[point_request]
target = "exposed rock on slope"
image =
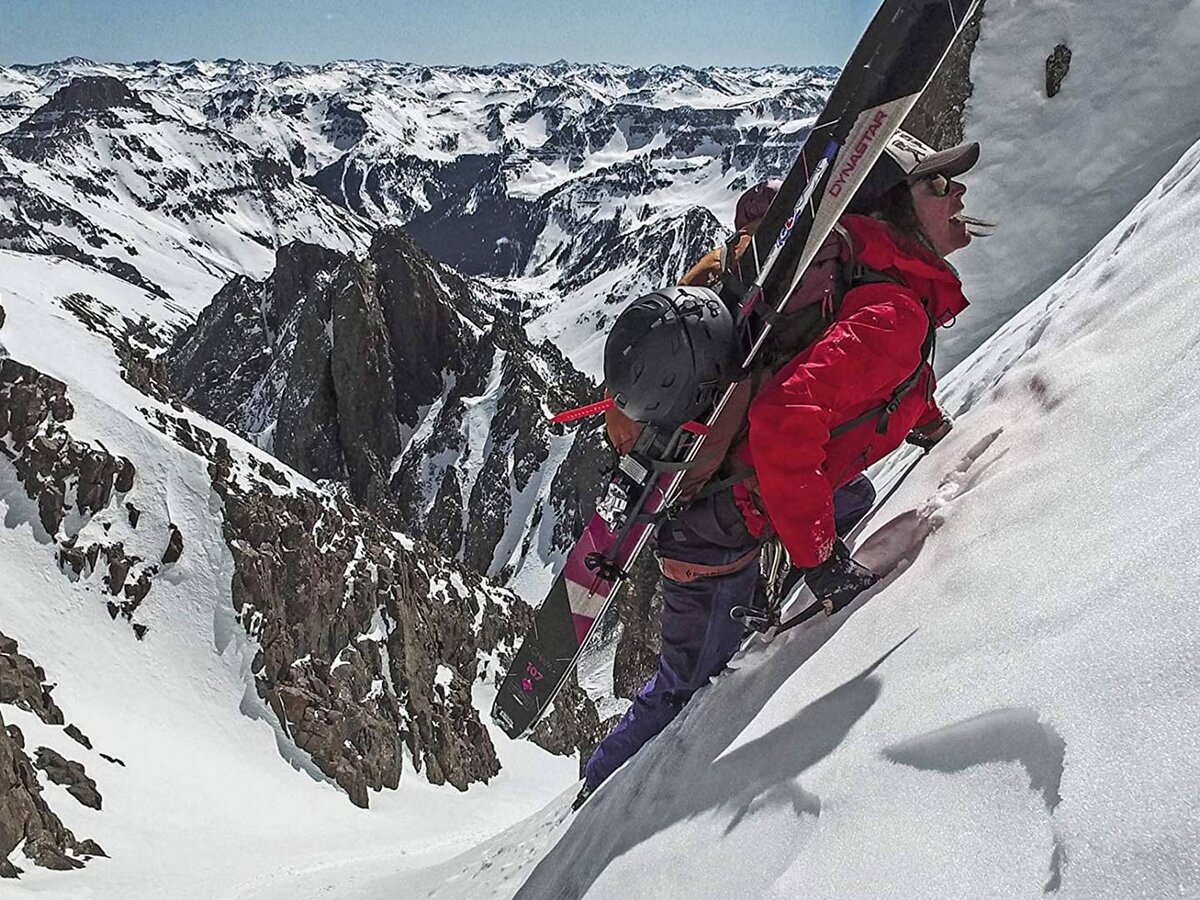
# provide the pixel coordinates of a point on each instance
(24, 813)
(937, 118)
(23, 684)
(369, 642)
(65, 477)
(70, 774)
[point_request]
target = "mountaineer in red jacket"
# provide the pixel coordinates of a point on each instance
(839, 405)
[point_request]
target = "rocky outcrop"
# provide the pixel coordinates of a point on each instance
(459, 483)
(639, 612)
(136, 342)
(572, 726)
(1058, 64)
(369, 643)
(92, 93)
(73, 732)
(62, 475)
(23, 684)
(937, 118)
(70, 775)
(24, 813)
(174, 550)
(420, 392)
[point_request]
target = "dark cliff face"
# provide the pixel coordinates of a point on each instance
(937, 118)
(94, 93)
(392, 375)
(425, 400)
(477, 227)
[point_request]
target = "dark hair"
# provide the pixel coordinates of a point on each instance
(895, 207)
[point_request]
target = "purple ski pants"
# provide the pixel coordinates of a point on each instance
(699, 637)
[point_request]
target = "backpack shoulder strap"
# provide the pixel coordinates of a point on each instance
(731, 279)
(883, 412)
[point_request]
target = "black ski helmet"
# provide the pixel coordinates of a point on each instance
(669, 353)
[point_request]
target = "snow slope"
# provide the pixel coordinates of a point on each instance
(1016, 710)
(204, 806)
(1058, 173)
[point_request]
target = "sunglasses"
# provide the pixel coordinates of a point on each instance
(939, 185)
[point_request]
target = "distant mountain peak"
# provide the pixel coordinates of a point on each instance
(92, 93)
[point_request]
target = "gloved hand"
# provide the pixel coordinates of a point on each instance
(927, 435)
(839, 579)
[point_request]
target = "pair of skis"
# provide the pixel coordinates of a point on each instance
(894, 61)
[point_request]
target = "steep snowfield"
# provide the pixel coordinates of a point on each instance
(205, 806)
(1058, 173)
(1017, 708)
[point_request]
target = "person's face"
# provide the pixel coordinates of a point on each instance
(938, 202)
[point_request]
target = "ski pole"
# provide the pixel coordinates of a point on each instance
(866, 520)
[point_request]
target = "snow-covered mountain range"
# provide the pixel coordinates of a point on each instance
(603, 181)
(276, 348)
(594, 182)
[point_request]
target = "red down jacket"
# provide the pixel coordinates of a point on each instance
(875, 344)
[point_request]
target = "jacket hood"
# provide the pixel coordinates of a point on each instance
(878, 246)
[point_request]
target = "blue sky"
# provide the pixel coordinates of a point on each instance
(699, 33)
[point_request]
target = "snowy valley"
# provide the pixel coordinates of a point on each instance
(277, 348)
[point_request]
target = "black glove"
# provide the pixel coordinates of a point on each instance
(839, 579)
(927, 435)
